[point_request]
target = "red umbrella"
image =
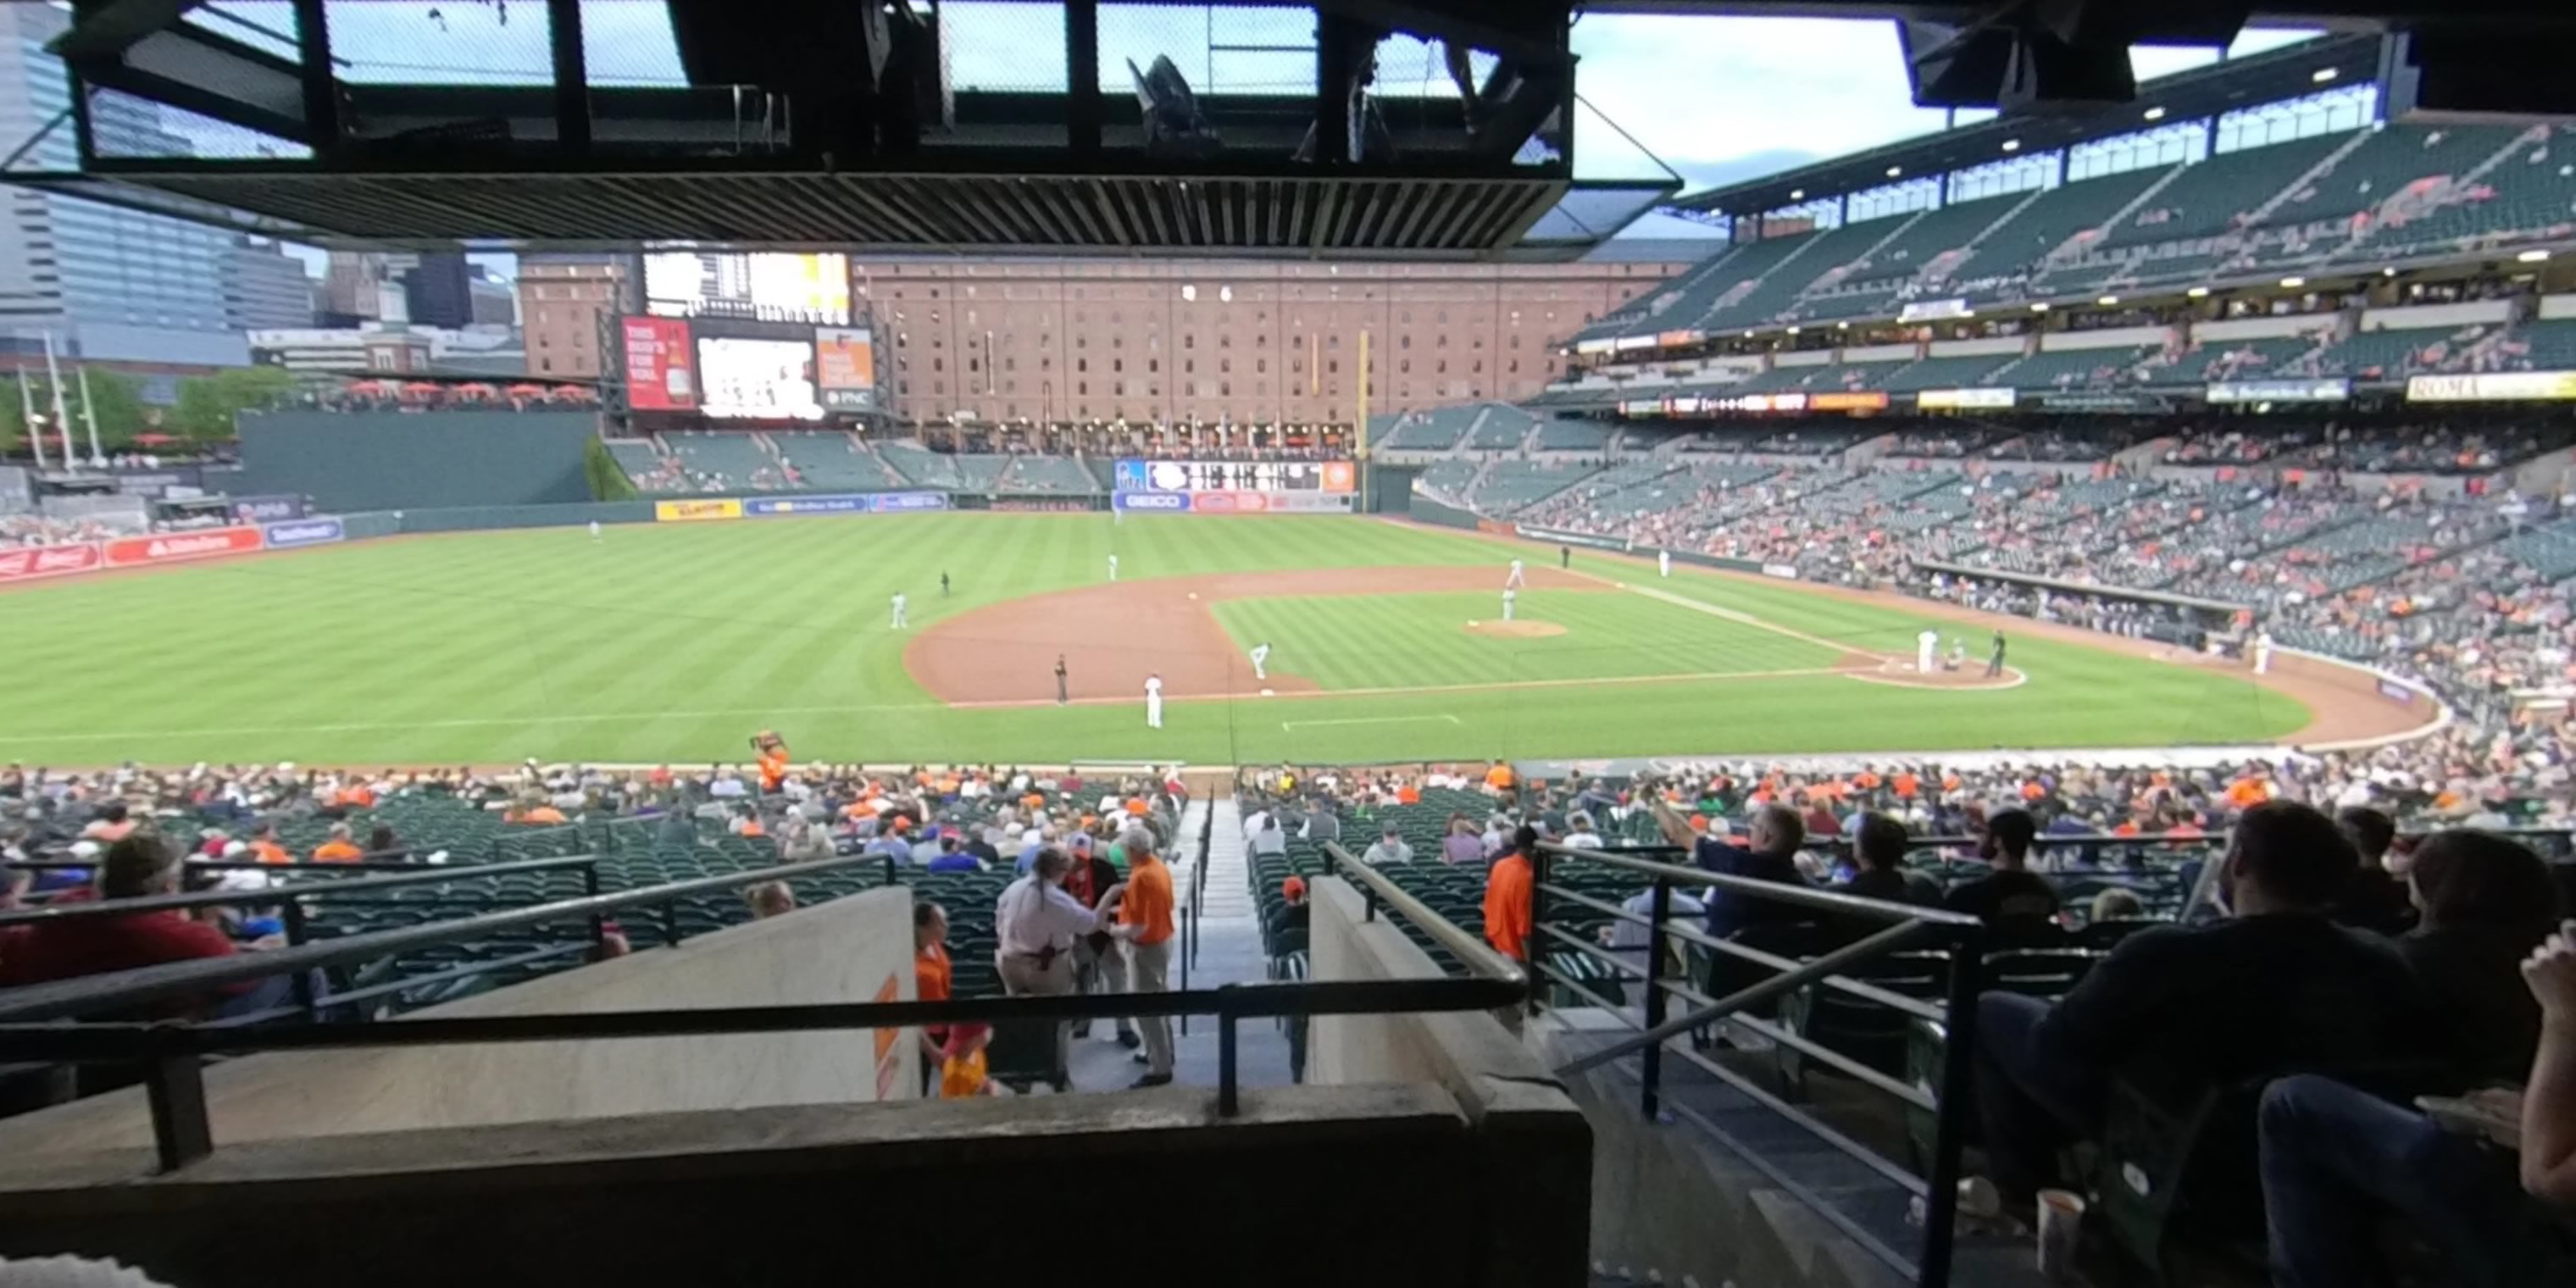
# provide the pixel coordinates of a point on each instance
(528, 391)
(421, 389)
(476, 391)
(571, 393)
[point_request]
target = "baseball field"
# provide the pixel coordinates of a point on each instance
(672, 643)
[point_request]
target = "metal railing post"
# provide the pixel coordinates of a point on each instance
(590, 890)
(1958, 1065)
(1652, 1069)
(1227, 1095)
(292, 913)
(1538, 861)
(670, 914)
(174, 1083)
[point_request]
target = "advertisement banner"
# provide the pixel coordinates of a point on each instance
(1164, 502)
(661, 367)
(1782, 571)
(1306, 502)
(1602, 345)
(1933, 310)
(1235, 502)
(31, 562)
(2298, 391)
(1862, 400)
(845, 368)
(2114, 404)
(264, 509)
(1937, 399)
(1228, 502)
(1138, 475)
(303, 532)
(1676, 339)
(2494, 386)
(1039, 505)
(1759, 402)
(1627, 342)
(1642, 407)
(174, 546)
(705, 511)
(763, 507)
(905, 502)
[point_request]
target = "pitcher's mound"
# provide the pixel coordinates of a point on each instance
(1515, 630)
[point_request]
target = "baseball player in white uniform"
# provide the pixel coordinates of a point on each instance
(1261, 660)
(1664, 563)
(1153, 702)
(900, 621)
(1925, 645)
(1113, 567)
(1516, 578)
(2262, 652)
(594, 529)
(1508, 595)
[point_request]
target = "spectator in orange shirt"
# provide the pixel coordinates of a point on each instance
(1145, 923)
(773, 761)
(933, 976)
(1507, 897)
(340, 848)
(264, 846)
(1498, 779)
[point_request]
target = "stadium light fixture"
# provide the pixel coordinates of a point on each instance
(1797, 194)
(2155, 114)
(2293, 283)
(2198, 292)
(2323, 74)
(1842, 326)
(2531, 257)
(2039, 307)
(2108, 300)
(1793, 330)
(1895, 170)
(2012, 145)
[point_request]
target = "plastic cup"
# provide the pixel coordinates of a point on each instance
(2061, 1216)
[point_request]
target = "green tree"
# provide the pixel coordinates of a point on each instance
(608, 481)
(209, 405)
(116, 399)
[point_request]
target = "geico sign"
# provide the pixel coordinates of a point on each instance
(46, 561)
(182, 545)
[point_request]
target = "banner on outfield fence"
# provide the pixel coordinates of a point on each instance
(171, 547)
(2495, 386)
(1782, 571)
(1234, 502)
(1133, 474)
(696, 511)
(1963, 399)
(2287, 391)
(303, 532)
(266, 509)
(32, 562)
(770, 507)
(1587, 540)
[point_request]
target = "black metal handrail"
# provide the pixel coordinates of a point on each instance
(91, 994)
(1902, 927)
(414, 874)
(1378, 889)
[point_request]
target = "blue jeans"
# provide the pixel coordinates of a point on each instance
(2337, 1160)
(2030, 1101)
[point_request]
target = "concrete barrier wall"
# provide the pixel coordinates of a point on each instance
(854, 949)
(1533, 1180)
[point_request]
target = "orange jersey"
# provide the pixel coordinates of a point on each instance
(337, 852)
(773, 768)
(1507, 906)
(1499, 778)
(1148, 902)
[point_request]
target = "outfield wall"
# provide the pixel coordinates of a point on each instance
(389, 460)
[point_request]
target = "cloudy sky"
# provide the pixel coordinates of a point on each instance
(1717, 99)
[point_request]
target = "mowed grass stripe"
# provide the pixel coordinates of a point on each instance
(674, 642)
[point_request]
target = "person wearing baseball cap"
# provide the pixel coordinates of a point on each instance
(1287, 926)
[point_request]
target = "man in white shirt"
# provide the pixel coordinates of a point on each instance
(1390, 848)
(1261, 661)
(1272, 838)
(1153, 701)
(1036, 924)
(1664, 563)
(899, 622)
(1925, 645)
(1579, 833)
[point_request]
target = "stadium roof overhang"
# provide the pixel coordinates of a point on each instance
(821, 123)
(2268, 77)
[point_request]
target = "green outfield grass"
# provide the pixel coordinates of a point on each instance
(672, 643)
(1422, 641)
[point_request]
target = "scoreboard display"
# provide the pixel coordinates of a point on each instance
(1135, 475)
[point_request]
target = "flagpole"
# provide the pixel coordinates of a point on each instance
(27, 417)
(62, 418)
(89, 415)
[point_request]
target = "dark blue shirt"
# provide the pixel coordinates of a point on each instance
(954, 861)
(1729, 911)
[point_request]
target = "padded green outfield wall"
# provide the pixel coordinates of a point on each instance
(353, 461)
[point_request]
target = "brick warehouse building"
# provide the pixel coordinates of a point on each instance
(1247, 341)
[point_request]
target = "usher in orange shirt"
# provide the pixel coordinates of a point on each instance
(1148, 901)
(1507, 906)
